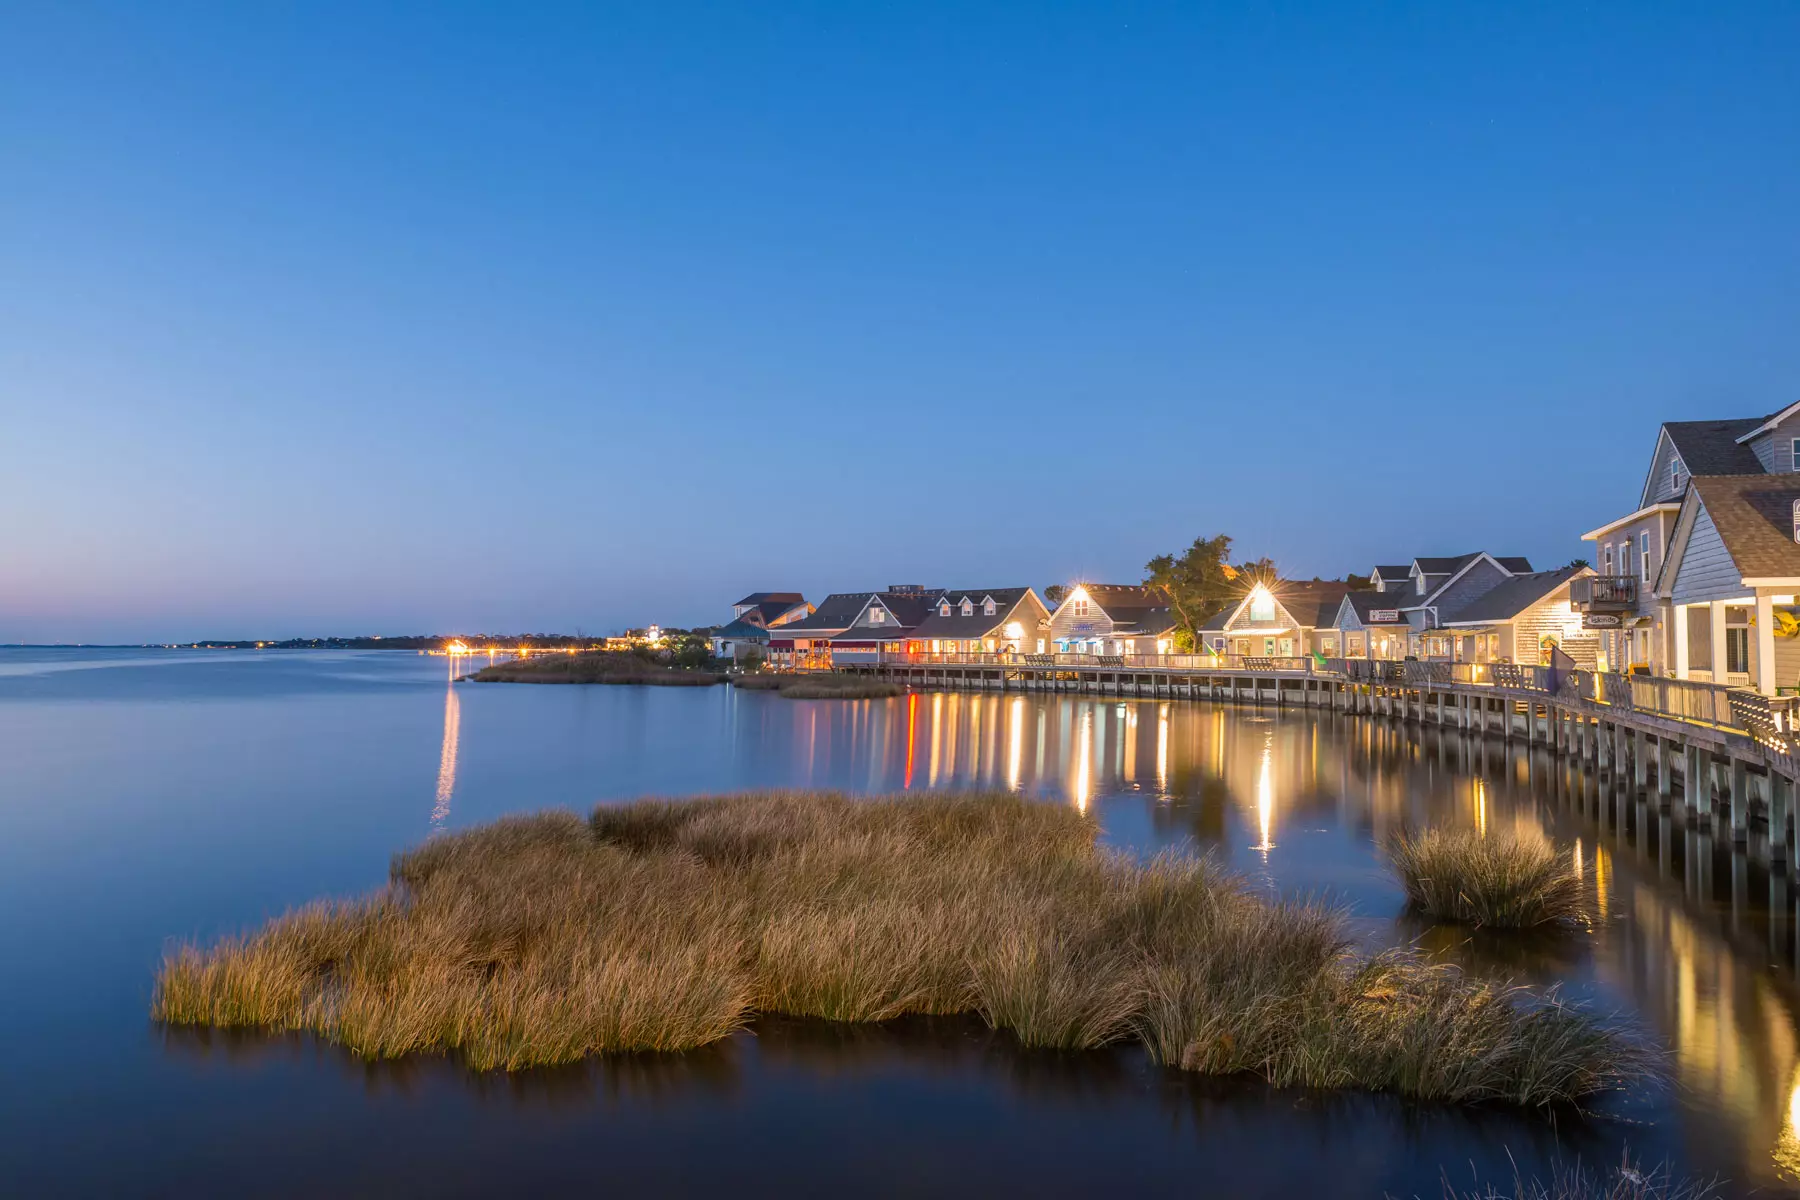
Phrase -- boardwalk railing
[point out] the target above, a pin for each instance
(1772, 721)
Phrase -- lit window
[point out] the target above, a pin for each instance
(987, 607)
(1079, 607)
(944, 609)
(877, 615)
(1262, 607)
(968, 608)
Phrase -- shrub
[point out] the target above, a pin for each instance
(1504, 882)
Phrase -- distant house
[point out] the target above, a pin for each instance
(1109, 618)
(1285, 619)
(752, 619)
(1518, 621)
(980, 620)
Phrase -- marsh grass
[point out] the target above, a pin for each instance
(820, 686)
(1501, 882)
(666, 925)
(1627, 1181)
(595, 666)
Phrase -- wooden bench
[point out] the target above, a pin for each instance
(1040, 660)
(1110, 660)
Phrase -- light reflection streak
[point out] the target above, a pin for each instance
(1081, 768)
(912, 733)
(1015, 742)
(1162, 750)
(446, 779)
(1265, 795)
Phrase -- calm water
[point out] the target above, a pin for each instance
(147, 795)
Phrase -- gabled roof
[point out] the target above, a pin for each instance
(769, 610)
(1713, 448)
(1770, 422)
(1364, 603)
(835, 612)
(1313, 604)
(1309, 603)
(1754, 515)
(958, 627)
(1444, 566)
(1396, 572)
(1509, 598)
(1515, 564)
(788, 598)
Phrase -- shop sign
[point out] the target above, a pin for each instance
(1600, 621)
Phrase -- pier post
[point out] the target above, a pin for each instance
(1665, 787)
(1698, 788)
(1740, 802)
(1781, 798)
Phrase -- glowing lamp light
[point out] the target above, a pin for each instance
(1014, 630)
(456, 647)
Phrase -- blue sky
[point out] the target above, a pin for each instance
(373, 318)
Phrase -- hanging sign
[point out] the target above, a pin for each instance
(1391, 616)
(1600, 620)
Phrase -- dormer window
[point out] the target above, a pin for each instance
(968, 608)
(944, 609)
(988, 608)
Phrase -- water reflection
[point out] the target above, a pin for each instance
(1693, 943)
(446, 777)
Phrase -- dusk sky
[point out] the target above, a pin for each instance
(321, 319)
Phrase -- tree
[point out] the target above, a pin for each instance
(1196, 585)
(1055, 594)
(1577, 564)
(1357, 582)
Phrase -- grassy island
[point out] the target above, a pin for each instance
(664, 925)
(596, 666)
(820, 686)
(1500, 882)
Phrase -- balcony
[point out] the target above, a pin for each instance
(1604, 594)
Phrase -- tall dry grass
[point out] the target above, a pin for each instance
(663, 925)
(1503, 882)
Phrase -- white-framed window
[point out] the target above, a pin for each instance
(1606, 559)
(968, 608)
(1079, 607)
(877, 616)
(1678, 475)
(1040, 648)
(944, 609)
(1421, 583)
(1644, 554)
(1794, 455)
(988, 607)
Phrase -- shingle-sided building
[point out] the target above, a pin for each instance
(1729, 584)
(1285, 619)
(980, 620)
(752, 619)
(1518, 621)
(1109, 618)
(883, 623)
